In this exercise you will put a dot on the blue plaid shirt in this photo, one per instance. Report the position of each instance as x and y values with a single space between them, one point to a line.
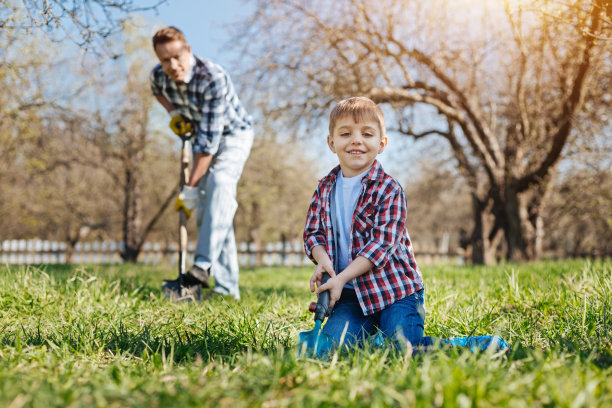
208 100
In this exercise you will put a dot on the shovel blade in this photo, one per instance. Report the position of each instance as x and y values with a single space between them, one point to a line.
314 342
179 293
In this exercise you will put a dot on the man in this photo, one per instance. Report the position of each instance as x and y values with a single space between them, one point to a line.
200 97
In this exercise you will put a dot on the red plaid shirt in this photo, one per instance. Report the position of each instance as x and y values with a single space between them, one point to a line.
378 232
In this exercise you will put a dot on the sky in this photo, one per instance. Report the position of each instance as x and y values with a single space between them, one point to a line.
204 24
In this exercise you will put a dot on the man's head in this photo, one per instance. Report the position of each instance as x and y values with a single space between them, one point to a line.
356 134
173 52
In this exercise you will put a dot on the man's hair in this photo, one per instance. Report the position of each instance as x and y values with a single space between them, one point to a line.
168 34
361 109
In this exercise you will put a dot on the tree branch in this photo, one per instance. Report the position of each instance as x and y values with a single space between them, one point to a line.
570 106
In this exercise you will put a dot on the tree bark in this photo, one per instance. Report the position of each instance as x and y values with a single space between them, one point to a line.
132 220
514 215
484 246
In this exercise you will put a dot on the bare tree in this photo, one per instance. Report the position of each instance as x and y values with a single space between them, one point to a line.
506 85
137 159
92 162
22 62
579 214
431 220
274 192
85 22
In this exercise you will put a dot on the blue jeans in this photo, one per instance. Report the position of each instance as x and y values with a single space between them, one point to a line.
216 249
402 321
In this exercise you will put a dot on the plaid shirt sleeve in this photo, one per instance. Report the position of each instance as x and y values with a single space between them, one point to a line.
155 87
388 229
212 109
314 231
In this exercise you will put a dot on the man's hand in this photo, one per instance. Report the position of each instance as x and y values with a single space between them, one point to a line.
179 124
187 200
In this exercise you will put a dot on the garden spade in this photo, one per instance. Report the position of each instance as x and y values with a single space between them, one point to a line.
176 289
314 342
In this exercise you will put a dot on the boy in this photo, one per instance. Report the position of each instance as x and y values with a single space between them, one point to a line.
356 231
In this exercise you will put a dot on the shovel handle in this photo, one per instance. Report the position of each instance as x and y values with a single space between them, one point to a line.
322 308
182 228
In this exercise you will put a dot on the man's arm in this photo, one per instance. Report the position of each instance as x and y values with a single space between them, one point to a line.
201 163
165 102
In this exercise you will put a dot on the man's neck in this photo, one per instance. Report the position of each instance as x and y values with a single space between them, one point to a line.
192 62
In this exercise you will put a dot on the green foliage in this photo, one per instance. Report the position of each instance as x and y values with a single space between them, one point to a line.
104 336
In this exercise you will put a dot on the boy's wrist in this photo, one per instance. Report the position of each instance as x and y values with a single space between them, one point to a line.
343 277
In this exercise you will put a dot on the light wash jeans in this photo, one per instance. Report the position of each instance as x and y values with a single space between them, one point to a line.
216 248
400 321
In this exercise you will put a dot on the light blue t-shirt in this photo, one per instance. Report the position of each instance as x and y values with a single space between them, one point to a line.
348 190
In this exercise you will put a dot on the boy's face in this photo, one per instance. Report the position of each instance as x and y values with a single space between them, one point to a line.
356 144
175 58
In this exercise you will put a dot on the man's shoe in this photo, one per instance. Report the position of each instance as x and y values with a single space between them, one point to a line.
197 275
185 293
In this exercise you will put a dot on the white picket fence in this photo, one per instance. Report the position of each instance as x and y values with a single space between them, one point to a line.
38 251
108 252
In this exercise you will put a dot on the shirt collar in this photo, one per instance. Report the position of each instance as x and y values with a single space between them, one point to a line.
376 173
192 64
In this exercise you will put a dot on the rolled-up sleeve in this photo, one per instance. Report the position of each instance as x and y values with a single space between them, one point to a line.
155 87
314 232
213 116
388 229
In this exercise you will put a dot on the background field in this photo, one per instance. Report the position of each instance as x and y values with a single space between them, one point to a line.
104 336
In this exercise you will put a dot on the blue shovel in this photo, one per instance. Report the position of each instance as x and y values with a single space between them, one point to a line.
314 342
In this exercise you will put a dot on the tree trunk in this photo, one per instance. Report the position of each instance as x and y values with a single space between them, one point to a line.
484 236
524 227
132 216
514 215
535 207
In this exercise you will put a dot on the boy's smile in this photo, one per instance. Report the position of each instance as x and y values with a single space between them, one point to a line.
356 144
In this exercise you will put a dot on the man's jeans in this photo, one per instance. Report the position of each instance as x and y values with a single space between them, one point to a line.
402 321
216 248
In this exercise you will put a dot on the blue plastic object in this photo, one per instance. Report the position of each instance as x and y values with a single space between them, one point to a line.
478 343
314 342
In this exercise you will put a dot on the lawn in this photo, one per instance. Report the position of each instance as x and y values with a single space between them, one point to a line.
89 336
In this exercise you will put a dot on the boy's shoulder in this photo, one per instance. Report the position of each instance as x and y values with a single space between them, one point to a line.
330 178
376 178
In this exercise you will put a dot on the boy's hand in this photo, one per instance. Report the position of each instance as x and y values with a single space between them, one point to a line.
317 276
334 285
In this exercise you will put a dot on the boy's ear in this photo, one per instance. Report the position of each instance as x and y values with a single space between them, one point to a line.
383 144
330 143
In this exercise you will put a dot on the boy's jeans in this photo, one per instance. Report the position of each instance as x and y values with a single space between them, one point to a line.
216 248
401 321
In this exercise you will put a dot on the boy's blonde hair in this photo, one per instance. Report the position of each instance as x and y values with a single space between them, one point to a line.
168 34
361 109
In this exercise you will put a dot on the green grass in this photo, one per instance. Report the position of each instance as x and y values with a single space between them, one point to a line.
104 336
